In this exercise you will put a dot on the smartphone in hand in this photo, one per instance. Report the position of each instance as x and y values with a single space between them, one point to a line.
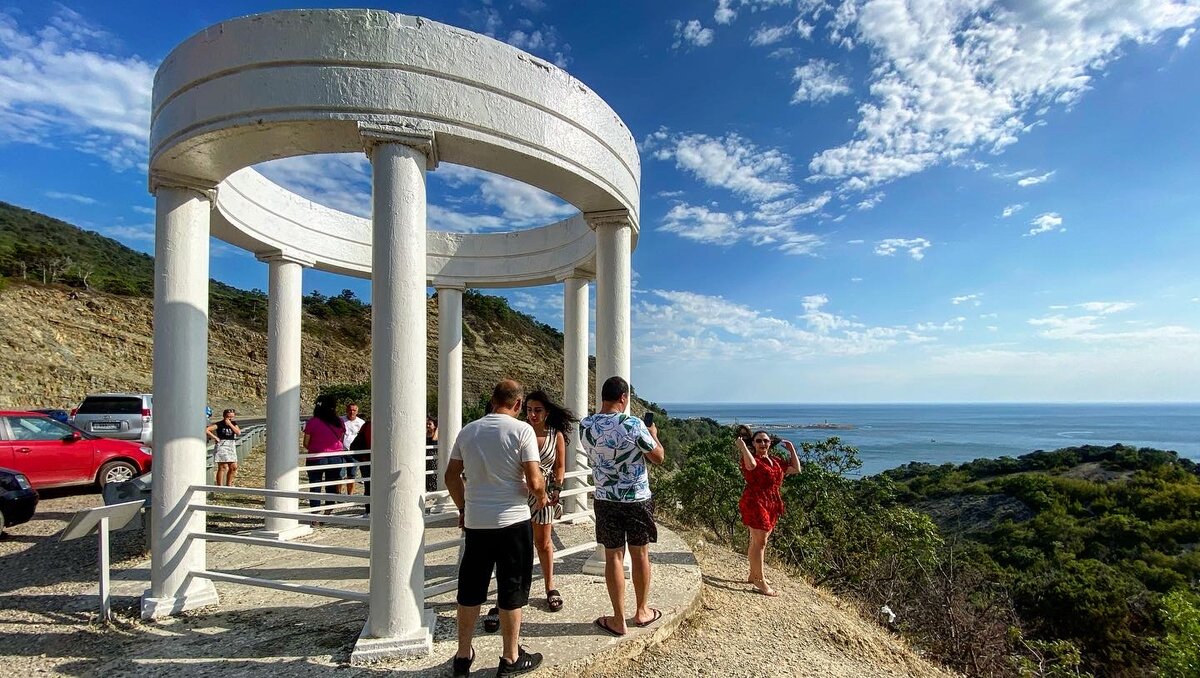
648 419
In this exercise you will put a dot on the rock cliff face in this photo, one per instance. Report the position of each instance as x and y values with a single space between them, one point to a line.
56 347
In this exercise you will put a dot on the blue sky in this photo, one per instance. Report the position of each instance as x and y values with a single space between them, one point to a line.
842 200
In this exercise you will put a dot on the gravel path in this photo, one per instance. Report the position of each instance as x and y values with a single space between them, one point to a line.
803 632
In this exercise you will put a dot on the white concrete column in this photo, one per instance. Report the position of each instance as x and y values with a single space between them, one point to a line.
575 374
397 622
284 293
614 273
614 234
450 374
180 394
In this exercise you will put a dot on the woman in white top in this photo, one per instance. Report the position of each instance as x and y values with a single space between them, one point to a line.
549 421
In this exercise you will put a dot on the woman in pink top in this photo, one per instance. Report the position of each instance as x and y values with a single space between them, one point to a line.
323 433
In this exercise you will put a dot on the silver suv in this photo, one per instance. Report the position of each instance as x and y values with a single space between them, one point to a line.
126 416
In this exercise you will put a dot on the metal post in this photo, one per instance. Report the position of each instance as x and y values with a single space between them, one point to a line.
105 607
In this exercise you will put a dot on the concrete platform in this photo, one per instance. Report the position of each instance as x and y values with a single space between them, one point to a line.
256 630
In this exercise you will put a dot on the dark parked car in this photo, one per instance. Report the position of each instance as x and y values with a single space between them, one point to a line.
18 499
56 415
53 454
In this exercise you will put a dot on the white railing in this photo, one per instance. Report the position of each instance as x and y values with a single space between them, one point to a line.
437 511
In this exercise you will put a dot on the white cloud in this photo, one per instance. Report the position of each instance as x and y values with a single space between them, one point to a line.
914 246
973 299
683 326
1107 307
1185 38
769 35
74 197
145 210
730 162
528 41
702 224
1011 210
818 82
956 77
668 194
1035 180
497 203
1090 328
692 33
543 40
341 181
761 177
143 232
951 325
62 83
1044 223
855 242
699 223
870 202
726 10
727 162
521 204
820 321
854 280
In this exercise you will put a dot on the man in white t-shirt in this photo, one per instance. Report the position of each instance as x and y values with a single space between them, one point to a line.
498 455
353 425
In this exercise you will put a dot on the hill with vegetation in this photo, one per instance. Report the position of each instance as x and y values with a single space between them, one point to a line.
1080 561
79 320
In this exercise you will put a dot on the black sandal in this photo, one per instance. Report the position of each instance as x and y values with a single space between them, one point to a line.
554 600
491 621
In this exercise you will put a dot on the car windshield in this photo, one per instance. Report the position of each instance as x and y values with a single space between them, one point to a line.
111 405
37 428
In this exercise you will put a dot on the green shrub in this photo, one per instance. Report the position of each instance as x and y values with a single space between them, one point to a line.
1179 650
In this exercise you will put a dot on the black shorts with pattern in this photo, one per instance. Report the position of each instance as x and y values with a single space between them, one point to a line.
625 522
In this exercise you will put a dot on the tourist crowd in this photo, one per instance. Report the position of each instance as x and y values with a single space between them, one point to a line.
504 475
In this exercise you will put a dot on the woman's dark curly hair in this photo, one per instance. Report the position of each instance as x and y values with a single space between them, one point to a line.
558 417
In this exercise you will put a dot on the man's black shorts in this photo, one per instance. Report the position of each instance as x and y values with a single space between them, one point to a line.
507 549
621 522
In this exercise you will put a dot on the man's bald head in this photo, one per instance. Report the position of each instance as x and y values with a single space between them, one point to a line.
507 394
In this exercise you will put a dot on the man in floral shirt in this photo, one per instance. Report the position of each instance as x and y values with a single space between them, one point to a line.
618 446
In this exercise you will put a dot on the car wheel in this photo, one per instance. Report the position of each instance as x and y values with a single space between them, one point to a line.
116 472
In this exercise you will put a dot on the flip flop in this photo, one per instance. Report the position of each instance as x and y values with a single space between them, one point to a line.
491 621
656 617
602 622
554 600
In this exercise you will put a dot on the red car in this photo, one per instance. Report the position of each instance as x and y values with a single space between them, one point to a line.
53 454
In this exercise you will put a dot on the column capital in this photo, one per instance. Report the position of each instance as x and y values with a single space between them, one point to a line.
458 285
617 218
575 275
423 140
288 256
162 179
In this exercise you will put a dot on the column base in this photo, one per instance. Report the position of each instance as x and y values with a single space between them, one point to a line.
418 643
595 563
286 534
200 593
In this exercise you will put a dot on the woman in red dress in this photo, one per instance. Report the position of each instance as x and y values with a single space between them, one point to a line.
761 503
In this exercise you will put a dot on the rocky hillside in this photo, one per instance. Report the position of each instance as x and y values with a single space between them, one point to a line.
76 322
58 344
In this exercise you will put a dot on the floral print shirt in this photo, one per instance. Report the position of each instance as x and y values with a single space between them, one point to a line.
616 444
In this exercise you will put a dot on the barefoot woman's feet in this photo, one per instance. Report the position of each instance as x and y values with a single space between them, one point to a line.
764 587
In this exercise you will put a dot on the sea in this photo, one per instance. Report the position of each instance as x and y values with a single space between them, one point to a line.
890 435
